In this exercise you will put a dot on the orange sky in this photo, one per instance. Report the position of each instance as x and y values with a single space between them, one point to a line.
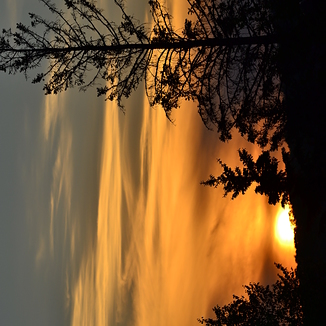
139 240
168 249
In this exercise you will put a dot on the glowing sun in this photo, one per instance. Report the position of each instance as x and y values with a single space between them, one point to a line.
283 227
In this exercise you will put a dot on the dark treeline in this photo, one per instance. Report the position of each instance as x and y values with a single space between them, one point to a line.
304 69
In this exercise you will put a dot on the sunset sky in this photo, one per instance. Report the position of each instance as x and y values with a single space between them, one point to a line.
103 220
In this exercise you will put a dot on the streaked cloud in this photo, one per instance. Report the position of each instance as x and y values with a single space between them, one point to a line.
95 295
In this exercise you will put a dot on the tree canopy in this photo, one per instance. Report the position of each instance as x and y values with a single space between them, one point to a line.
225 59
274 305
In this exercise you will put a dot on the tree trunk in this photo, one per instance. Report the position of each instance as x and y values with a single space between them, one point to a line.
210 42
304 76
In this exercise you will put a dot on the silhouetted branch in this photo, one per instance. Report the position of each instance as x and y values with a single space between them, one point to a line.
264 172
224 59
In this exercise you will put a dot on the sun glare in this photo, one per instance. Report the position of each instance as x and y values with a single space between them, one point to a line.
283 227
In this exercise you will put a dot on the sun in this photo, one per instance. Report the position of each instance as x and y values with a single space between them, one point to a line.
283 227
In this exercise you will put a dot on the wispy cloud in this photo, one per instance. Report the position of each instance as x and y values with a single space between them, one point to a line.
13 8
146 244
95 294
189 248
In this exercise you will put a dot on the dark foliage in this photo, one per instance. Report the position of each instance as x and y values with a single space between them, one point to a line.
264 305
235 85
225 59
264 172
81 47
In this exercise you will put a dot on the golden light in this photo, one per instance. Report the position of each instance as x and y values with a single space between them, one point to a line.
283 227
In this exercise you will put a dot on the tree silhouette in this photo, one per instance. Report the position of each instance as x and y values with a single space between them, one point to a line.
236 85
225 58
264 172
264 305
85 43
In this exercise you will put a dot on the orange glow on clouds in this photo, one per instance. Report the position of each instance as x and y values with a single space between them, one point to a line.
168 249
172 249
96 289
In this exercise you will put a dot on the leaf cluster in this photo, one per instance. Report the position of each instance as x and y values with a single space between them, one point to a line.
264 172
263 305
236 86
74 44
